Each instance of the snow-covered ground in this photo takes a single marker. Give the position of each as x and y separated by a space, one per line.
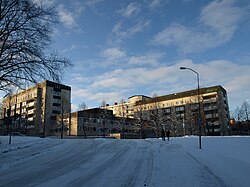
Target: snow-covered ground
30 161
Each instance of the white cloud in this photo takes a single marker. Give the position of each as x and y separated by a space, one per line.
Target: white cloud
155 3
44 2
186 39
92 3
80 92
66 17
113 85
78 8
233 77
74 107
133 77
222 16
119 33
218 22
89 95
108 97
113 54
112 82
238 83
131 10
139 27
74 47
77 77
151 59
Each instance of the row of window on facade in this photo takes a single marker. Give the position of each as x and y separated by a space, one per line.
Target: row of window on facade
209 99
56 105
26 96
23 111
103 121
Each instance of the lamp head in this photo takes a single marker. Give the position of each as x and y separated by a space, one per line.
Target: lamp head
183 68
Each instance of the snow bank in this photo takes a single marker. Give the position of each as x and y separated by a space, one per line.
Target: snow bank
227 157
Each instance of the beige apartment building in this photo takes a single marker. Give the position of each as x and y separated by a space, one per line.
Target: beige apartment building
97 122
31 111
178 112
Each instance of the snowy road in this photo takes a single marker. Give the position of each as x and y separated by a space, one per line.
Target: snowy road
108 163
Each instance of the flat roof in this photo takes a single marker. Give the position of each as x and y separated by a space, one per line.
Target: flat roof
183 94
139 95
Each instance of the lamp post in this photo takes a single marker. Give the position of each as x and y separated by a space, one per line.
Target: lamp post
199 121
62 125
9 118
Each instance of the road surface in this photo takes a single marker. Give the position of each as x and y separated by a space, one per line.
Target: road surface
102 162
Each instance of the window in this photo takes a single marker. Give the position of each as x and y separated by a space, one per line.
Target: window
167 110
57 104
181 116
55 112
56 93
57 89
180 108
56 97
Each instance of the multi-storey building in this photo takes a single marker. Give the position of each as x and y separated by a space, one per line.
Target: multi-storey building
32 110
178 112
127 109
97 122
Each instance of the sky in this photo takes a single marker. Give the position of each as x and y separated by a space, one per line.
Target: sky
121 48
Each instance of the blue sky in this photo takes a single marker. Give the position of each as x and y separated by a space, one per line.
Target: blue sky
121 48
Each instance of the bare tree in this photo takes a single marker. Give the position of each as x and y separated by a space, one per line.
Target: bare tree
189 120
104 117
122 114
191 115
241 116
82 106
1 110
139 116
174 122
156 116
25 37
245 111
236 114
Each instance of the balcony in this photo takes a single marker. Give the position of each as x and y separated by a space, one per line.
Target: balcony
31 119
31 104
32 111
212 116
210 108
212 100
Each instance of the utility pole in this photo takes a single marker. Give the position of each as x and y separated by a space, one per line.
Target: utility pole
62 121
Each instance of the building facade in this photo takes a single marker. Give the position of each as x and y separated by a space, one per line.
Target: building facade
32 110
97 122
178 112
127 109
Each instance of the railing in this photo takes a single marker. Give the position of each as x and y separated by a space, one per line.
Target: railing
210 100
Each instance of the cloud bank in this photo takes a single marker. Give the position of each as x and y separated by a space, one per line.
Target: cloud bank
217 23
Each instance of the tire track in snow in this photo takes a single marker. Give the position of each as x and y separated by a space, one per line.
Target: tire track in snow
210 177
54 165
141 171
96 169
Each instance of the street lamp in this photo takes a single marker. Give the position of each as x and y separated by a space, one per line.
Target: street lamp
199 121
9 119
